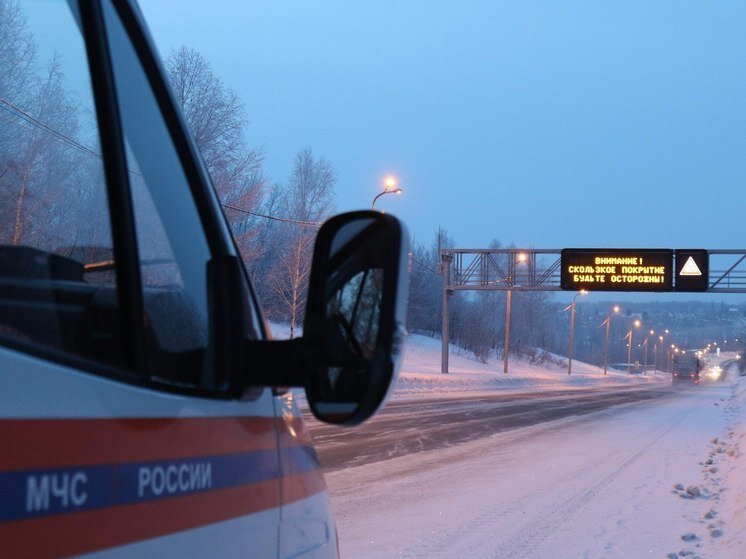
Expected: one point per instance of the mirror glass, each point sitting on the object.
(353, 314)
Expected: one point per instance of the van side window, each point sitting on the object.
(57, 283)
(173, 249)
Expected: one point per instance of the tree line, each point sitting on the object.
(51, 175)
(47, 137)
(274, 226)
(275, 223)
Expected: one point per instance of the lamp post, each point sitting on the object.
(655, 352)
(645, 343)
(515, 260)
(607, 322)
(389, 187)
(636, 324)
(572, 330)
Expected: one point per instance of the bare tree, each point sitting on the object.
(217, 120)
(17, 52)
(41, 164)
(307, 197)
(17, 56)
(290, 278)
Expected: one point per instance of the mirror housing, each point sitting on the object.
(349, 355)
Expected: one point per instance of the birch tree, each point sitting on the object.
(307, 197)
(217, 120)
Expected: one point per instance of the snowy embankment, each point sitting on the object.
(420, 376)
(656, 479)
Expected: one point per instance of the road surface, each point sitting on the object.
(403, 428)
(581, 473)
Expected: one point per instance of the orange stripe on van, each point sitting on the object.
(56, 443)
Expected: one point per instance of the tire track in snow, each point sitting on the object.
(476, 536)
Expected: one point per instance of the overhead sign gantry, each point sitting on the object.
(649, 270)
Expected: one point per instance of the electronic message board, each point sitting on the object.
(617, 269)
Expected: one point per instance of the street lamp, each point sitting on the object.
(655, 351)
(636, 324)
(607, 322)
(572, 330)
(645, 344)
(389, 187)
(518, 258)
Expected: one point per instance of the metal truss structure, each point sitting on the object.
(511, 269)
(532, 269)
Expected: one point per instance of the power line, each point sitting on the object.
(36, 123)
(424, 266)
(23, 115)
(313, 224)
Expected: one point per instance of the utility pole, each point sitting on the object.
(615, 310)
(629, 349)
(572, 330)
(506, 351)
(606, 342)
(445, 269)
(636, 324)
(572, 337)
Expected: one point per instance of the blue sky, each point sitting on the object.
(545, 124)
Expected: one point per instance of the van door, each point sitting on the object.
(118, 437)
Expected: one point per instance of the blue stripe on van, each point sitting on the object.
(46, 492)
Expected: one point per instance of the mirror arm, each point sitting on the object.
(278, 363)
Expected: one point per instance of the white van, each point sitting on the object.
(142, 412)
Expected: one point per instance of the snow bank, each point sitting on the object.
(725, 468)
(420, 376)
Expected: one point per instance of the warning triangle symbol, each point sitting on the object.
(690, 268)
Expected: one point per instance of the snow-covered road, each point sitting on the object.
(599, 485)
(409, 426)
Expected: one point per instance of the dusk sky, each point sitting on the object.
(543, 124)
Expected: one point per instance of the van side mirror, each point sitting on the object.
(349, 355)
(355, 314)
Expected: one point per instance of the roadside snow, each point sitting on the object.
(657, 479)
(420, 376)
(663, 479)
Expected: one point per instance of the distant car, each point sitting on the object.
(715, 372)
(685, 376)
(686, 367)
